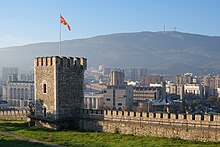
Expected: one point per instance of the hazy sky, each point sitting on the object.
(29, 21)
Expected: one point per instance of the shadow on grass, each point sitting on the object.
(14, 126)
(16, 143)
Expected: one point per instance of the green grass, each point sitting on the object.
(75, 138)
(8, 141)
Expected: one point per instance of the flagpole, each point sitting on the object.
(60, 40)
(63, 21)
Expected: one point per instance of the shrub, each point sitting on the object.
(117, 131)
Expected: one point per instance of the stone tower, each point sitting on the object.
(59, 83)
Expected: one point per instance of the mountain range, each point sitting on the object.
(165, 51)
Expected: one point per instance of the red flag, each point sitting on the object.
(63, 21)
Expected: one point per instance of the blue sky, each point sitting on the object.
(30, 21)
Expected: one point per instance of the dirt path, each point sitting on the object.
(22, 138)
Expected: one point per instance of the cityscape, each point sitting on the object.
(110, 73)
(135, 89)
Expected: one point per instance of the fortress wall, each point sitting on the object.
(184, 126)
(188, 127)
(14, 115)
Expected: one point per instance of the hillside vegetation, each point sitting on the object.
(169, 51)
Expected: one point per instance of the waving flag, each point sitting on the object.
(64, 22)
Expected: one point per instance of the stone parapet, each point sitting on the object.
(14, 115)
(157, 118)
(61, 61)
(184, 126)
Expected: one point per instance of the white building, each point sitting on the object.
(218, 91)
(93, 101)
(194, 89)
(117, 98)
(156, 85)
(132, 83)
(18, 93)
(143, 93)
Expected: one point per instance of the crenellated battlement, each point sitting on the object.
(185, 126)
(163, 116)
(14, 114)
(61, 61)
(172, 119)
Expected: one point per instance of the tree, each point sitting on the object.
(126, 108)
(106, 108)
(139, 109)
(213, 99)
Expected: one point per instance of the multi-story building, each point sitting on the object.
(143, 72)
(218, 92)
(116, 78)
(152, 79)
(26, 77)
(6, 71)
(137, 74)
(1, 84)
(172, 88)
(180, 91)
(194, 89)
(217, 81)
(211, 83)
(211, 86)
(186, 78)
(12, 77)
(134, 74)
(3, 105)
(177, 90)
(107, 71)
(118, 97)
(18, 93)
(143, 93)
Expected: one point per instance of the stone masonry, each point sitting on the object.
(59, 83)
(14, 115)
(189, 127)
(59, 93)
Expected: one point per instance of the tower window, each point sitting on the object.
(45, 112)
(45, 88)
